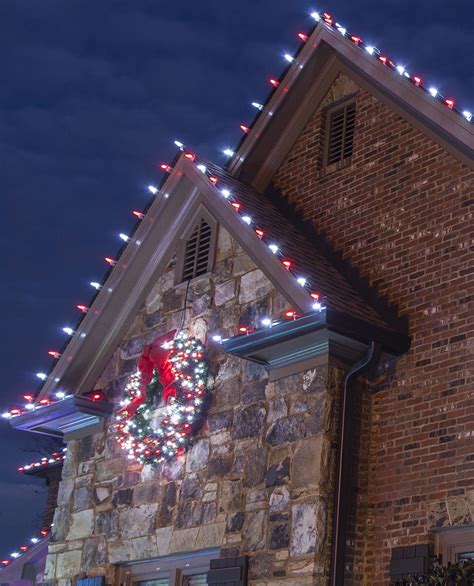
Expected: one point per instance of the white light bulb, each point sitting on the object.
(257, 105)
(288, 58)
(301, 281)
(317, 306)
(30, 406)
(15, 554)
(41, 375)
(60, 395)
(217, 338)
(467, 115)
(34, 540)
(97, 286)
(179, 144)
(433, 91)
(370, 50)
(228, 152)
(68, 331)
(153, 189)
(124, 237)
(6, 415)
(202, 168)
(267, 322)
(225, 193)
(341, 29)
(247, 219)
(273, 248)
(316, 16)
(400, 69)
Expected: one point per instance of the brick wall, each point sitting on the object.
(401, 209)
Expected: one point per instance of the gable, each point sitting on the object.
(325, 55)
(235, 293)
(189, 187)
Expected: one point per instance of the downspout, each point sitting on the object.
(343, 464)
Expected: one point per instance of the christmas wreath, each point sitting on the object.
(165, 399)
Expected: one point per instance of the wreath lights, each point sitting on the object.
(172, 368)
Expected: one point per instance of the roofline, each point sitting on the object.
(122, 295)
(326, 53)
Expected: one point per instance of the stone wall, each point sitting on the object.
(256, 481)
(401, 210)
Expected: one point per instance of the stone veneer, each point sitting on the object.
(256, 481)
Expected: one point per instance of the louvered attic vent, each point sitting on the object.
(197, 251)
(340, 133)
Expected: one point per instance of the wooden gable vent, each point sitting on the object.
(197, 250)
(340, 130)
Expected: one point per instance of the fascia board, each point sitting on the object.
(126, 288)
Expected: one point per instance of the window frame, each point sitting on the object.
(452, 541)
(201, 214)
(174, 567)
(329, 110)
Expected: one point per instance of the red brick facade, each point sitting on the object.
(401, 210)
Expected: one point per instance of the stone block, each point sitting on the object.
(279, 500)
(210, 536)
(198, 456)
(254, 467)
(249, 421)
(137, 521)
(68, 564)
(224, 293)
(163, 538)
(106, 523)
(183, 540)
(82, 524)
(253, 531)
(279, 536)
(253, 285)
(230, 495)
(307, 463)
(289, 429)
(307, 528)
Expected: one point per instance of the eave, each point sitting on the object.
(326, 54)
(291, 346)
(72, 417)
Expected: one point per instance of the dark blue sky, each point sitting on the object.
(93, 94)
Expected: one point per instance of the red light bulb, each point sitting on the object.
(291, 313)
(259, 233)
(28, 398)
(274, 82)
(54, 354)
(244, 129)
(139, 215)
(315, 296)
(356, 40)
(190, 156)
(417, 80)
(243, 330)
(287, 264)
(82, 308)
(166, 167)
(303, 37)
(213, 180)
(450, 103)
(110, 261)
(236, 206)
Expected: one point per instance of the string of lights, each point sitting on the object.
(323, 19)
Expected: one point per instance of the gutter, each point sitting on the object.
(343, 485)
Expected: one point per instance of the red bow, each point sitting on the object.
(154, 356)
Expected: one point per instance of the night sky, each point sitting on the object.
(93, 93)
